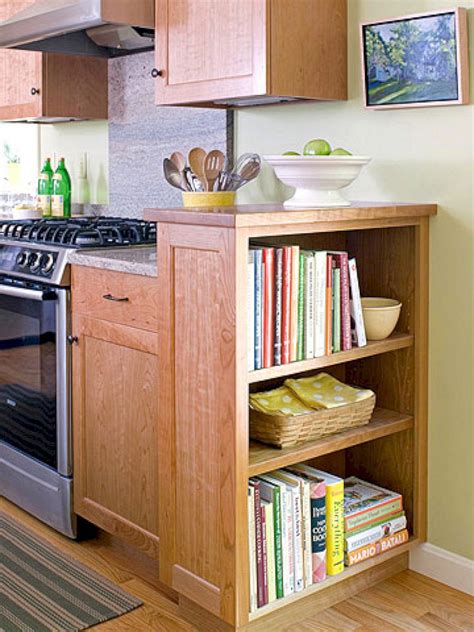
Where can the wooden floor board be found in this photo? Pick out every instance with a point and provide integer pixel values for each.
(407, 602)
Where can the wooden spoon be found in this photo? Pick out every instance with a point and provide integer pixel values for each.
(213, 165)
(196, 159)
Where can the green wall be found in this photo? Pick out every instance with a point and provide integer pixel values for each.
(419, 154)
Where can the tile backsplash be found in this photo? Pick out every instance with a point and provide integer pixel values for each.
(142, 134)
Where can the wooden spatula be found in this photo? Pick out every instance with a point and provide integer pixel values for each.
(213, 165)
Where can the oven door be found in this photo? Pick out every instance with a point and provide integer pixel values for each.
(35, 414)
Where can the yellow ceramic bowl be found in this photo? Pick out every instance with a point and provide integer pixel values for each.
(210, 198)
(380, 316)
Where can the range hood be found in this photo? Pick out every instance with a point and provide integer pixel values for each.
(104, 28)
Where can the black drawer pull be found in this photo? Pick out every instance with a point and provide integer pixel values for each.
(110, 297)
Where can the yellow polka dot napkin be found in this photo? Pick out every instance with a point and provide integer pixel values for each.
(324, 391)
(279, 401)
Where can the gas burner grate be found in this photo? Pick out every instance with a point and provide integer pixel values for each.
(100, 232)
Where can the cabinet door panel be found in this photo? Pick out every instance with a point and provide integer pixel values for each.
(211, 49)
(20, 72)
(115, 430)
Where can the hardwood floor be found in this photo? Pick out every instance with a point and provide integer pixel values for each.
(407, 602)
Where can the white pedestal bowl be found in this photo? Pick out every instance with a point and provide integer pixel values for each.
(317, 179)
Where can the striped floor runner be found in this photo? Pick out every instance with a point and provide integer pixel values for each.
(42, 590)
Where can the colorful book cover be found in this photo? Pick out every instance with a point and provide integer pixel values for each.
(320, 274)
(286, 306)
(264, 554)
(329, 306)
(268, 306)
(376, 548)
(270, 544)
(364, 503)
(252, 549)
(277, 340)
(295, 277)
(343, 265)
(258, 309)
(251, 310)
(308, 309)
(382, 530)
(271, 492)
(336, 308)
(300, 347)
(357, 318)
(334, 517)
(286, 517)
(258, 543)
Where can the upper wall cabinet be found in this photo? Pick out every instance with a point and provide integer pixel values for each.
(49, 86)
(249, 52)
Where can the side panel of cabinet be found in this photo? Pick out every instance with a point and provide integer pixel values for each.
(211, 49)
(115, 400)
(20, 73)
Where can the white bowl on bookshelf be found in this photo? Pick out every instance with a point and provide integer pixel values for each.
(317, 179)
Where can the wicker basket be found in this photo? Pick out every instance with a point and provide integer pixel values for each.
(285, 432)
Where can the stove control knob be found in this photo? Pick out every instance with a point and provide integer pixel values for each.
(22, 258)
(34, 261)
(47, 263)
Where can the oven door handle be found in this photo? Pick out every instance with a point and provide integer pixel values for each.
(32, 295)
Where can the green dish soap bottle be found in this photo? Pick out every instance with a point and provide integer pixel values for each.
(61, 198)
(45, 188)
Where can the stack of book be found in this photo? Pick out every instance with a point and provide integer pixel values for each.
(305, 524)
(302, 304)
(374, 520)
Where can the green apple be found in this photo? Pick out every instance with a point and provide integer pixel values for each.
(340, 151)
(291, 153)
(317, 147)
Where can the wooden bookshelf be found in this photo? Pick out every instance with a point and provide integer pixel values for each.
(384, 422)
(205, 456)
(394, 342)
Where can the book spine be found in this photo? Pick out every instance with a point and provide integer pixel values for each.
(298, 541)
(295, 276)
(277, 340)
(251, 310)
(308, 335)
(291, 536)
(288, 585)
(369, 536)
(278, 542)
(286, 306)
(357, 317)
(368, 516)
(259, 545)
(252, 550)
(336, 320)
(269, 306)
(307, 544)
(300, 355)
(258, 309)
(318, 531)
(335, 527)
(320, 304)
(329, 305)
(376, 548)
(264, 554)
(270, 542)
(346, 339)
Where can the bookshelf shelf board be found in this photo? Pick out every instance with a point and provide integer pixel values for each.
(384, 422)
(347, 573)
(393, 343)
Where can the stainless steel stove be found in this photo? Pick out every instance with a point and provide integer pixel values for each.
(35, 356)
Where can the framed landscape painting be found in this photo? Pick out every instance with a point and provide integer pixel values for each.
(416, 60)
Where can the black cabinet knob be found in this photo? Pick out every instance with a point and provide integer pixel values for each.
(156, 73)
(34, 91)
(72, 340)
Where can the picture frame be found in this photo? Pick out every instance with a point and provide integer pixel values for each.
(418, 60)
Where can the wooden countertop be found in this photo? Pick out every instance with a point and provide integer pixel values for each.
(266, 215)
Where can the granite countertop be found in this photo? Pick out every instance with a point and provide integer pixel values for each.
(136, 260)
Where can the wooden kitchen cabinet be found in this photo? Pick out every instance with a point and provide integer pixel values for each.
(247, 52)
(115, 404)
(45, 86)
